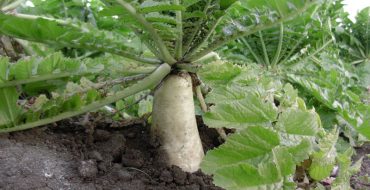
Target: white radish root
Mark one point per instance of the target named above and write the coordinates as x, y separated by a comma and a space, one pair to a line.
174, 124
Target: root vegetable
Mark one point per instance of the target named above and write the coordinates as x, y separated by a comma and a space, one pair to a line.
174, 124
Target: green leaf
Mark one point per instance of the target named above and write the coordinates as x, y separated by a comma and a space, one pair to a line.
9, 110
225, 4
275, 131
298, 123
290, 96
92, 96
364, 74
4, 62
152, 6
324, 160
156, 17
250, 111
74, 103
22, 69
220, 73
67, 34
145, 106
188, 3
251, 159
346, 171
262, 15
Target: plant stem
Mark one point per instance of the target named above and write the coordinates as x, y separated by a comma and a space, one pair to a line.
293, 49
34, 17
147, 26
12, 6
6, 42
265, 55
149, 82
254, 54
191, 68
312, 56
147, 43
204, 107
35, 79
142, 97
178, 46
105, 84
209, 56
222, 41
357, 62
278, 51
53, 77
320, 49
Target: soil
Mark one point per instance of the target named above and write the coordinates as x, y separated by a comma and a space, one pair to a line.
67, 155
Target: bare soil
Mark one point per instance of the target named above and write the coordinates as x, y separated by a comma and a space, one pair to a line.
65, 156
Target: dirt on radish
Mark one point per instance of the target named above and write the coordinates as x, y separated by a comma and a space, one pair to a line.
61, 157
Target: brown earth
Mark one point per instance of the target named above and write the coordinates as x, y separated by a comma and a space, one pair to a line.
64, 156
68, 155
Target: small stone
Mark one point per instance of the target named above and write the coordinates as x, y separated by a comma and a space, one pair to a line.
88, 169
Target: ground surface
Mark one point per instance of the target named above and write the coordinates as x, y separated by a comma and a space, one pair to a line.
65, 157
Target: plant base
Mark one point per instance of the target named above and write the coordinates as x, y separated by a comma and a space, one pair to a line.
174, 124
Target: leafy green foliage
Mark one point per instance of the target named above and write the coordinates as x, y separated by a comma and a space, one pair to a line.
9, 111
267, 146
275, 129
249, 111
261, 16
327, 83
72, 98
67, 34
77, 9
62, 84
54, 68
335, 88
353, 41
161, 25
32, 70
324, 160
136, 106
354, 37
347, 169
253, 154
